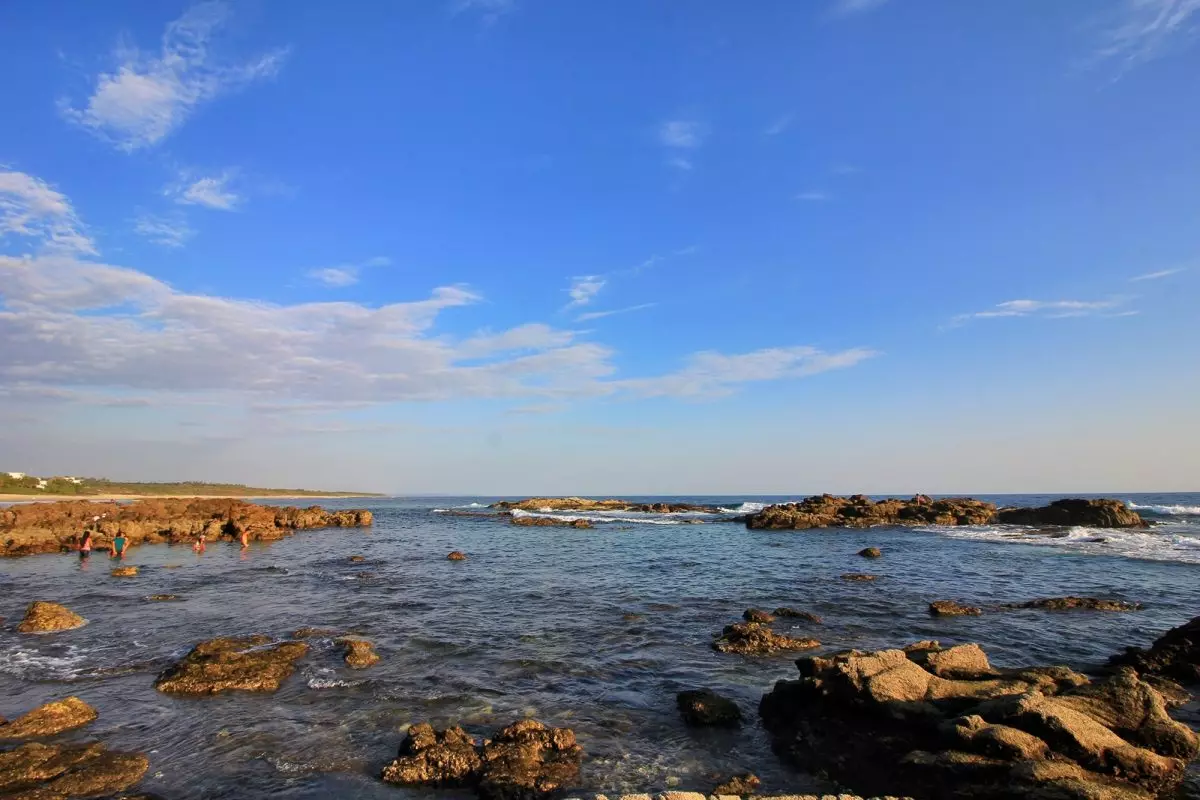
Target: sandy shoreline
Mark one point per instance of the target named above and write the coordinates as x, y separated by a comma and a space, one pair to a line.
105, 498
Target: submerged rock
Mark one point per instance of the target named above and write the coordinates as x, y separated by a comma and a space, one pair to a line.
435, 758
162, 598
357, 559
784, 611
704, 707
309, 633
49, 720
942, 724
757, 615
44, 617
457, 555
740, 785
360, 653
245, 663
1075, 512
1074, 603
858, 576
59, 772
124, 572
1175, 655
950, 608
871, 552
755, 638
551, 522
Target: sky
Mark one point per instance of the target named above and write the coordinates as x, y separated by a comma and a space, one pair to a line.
535, 246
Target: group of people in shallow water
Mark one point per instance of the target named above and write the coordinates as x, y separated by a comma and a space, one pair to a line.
120, 544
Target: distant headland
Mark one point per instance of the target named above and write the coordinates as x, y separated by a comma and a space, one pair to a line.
18, 486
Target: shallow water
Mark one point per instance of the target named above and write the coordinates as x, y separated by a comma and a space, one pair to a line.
533, 624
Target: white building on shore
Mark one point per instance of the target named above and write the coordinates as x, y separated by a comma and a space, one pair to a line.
16, 476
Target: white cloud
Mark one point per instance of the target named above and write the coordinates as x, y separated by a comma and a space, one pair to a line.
1148, 29
211, 191
780, 125
710, 374
848, 7
602, 314
32, 210
584, 289
170, 231
346, 274
813, 196
680, 163
1051, 309
1153, 276
682, 133
146, 97
489, 11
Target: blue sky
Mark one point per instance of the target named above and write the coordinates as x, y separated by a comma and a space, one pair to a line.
521, 246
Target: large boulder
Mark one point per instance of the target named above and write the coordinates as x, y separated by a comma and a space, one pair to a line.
1090, 513
1175, 655
37, 771
50, 719
435, 758
943, 724
44, 617
528, 761
704, 707
550, 522
757, 639
359, 653
246, 663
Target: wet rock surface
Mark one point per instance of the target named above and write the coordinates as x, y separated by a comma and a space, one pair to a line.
942, 723
551, 522
245, 663
57, 772
859, 511
757, 639
757, 615
1076, 603
44, 617
871, 552
359, 653
793, 613
58, 527
951, 608
859, 577
1175, 655
704, 707
457, 555
50, 719
741, 785
124, 572
162, 598
525, 761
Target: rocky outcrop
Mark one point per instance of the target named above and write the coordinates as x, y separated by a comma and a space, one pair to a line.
311, 633
525, 761
57, 527
49, 720
859, 577
739, 785
1175, 655
705, 708
124, 572
1076, 603
950, 608
859, 511
586, 504
757, 615
359, 653
1080, 512
550, 522
44, 617
457, 555
37, 771
245, 663
871, 552
784, 611
757, 639
942, 724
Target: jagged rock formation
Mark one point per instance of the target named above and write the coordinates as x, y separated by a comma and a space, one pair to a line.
757, 615
757, 639
585, 504
359, 653
704, 707
44, 617
50, 719
57, 527
550, 522
37, 771
859, 511
942, 723
739, 785
246, 663
1175, 655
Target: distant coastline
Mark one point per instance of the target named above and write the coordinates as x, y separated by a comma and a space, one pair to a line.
17, 487
42, 497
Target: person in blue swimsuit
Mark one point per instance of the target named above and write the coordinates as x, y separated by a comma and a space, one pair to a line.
118, 546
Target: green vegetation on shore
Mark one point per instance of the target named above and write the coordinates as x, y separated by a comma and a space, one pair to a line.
84, 487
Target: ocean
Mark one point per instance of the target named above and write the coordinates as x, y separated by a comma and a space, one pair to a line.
536, 623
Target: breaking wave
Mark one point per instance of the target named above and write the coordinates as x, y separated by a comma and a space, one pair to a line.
1174, 511
744, 508
613, 516
1147, 545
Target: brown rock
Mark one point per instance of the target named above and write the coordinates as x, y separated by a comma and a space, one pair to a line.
245, 663
551, 522
793, 613
704, 707
871, 552
1077, 603
528, 761
360, 653
357, 559
1174, 655
949, 608
1074, 512
741, 785
49, 720
435, 758
756, 615
124, 572
43, 617
56, 772
858, 576
457, 555
586, 504
309, 633
162, 598
755, 638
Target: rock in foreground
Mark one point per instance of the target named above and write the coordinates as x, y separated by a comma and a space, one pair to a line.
50, 772
757, 639
246, 663
739, 785
360, 653
45, 617
1175, 655
942, 723
704, 707
526, 761
859, 511
49, 720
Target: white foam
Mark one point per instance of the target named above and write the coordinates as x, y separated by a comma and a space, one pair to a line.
32, 664
325, 679
473, 505
1173, 510
1149, 545
612, 516
744, 508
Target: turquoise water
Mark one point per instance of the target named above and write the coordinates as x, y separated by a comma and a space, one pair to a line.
534, 624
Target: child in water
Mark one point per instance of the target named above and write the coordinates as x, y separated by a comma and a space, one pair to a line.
118, 546
199, 544
85, 545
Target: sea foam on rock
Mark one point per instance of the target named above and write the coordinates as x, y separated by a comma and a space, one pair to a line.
942, 723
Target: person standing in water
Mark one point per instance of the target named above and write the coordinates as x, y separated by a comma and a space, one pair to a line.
244, 538
118, 546
199, 545
85, 545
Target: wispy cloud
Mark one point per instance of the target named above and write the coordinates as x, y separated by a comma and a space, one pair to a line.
584, 289
1148, 29
211, 191
780, 125
146, 97
32, 210
1153, 276
489, 11
346, 274
849, 7
681, 137
813, 196
602, 314
1050, 309
169, 231
681, 163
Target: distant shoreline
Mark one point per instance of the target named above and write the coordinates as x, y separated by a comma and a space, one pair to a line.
106, 498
